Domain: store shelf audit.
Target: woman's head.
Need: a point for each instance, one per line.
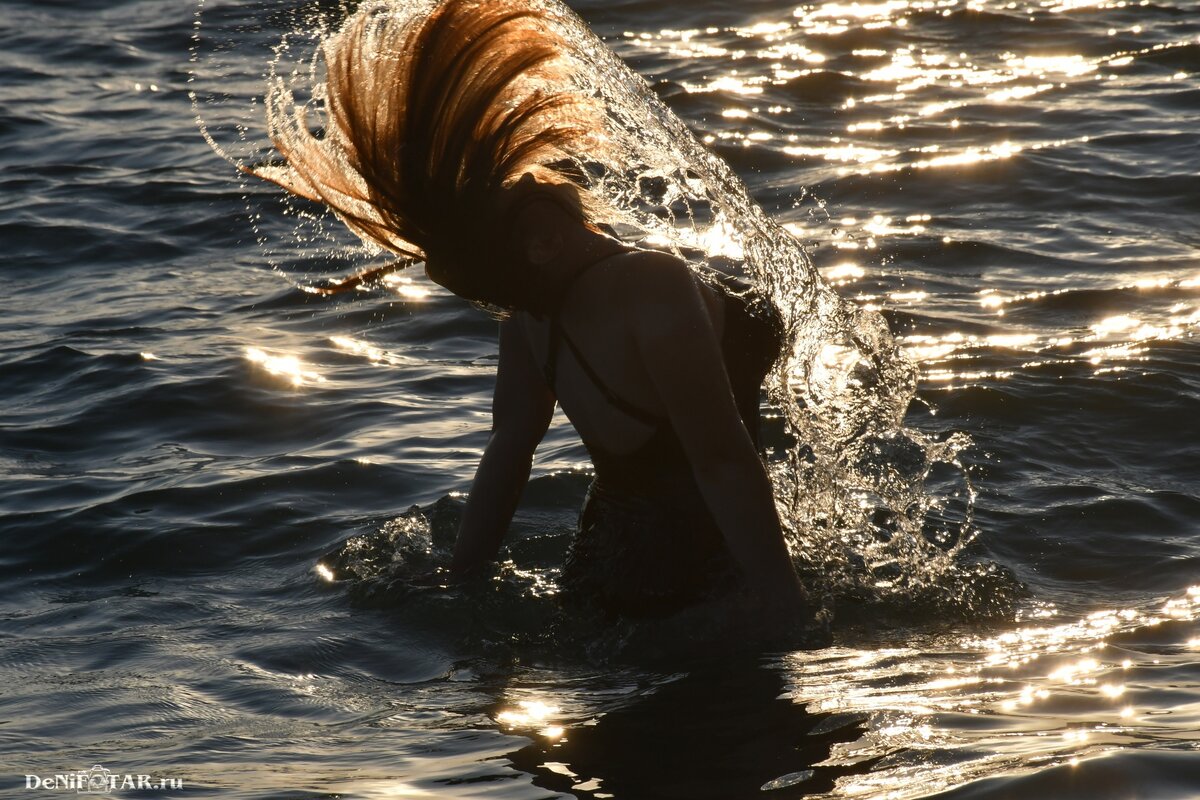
(430, 125)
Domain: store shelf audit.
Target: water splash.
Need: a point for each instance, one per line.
(875, 509)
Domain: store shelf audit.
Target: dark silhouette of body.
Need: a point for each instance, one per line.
(448, 140)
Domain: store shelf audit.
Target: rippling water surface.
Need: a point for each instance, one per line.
(184, 432)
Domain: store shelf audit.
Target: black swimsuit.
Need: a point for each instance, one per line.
(647, 544)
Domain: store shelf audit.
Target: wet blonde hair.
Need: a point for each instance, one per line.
(427, 121)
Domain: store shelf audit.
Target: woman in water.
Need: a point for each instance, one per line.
(455, 139)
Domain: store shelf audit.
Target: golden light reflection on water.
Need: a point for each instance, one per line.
(286, 366)
(918, 84)
(1103, 343)
(376, 355)
(405, 286)
(716, 239)
(842, 153)
(844, 273)
(1050, 694)
(532, 715)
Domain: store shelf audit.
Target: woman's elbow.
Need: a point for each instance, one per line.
(515, 443)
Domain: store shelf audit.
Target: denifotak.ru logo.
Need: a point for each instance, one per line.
(99, 780)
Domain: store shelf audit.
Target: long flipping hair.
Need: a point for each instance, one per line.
(427, 121)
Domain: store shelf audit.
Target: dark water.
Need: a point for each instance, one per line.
(184, 432)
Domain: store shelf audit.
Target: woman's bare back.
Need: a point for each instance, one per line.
(595, 317)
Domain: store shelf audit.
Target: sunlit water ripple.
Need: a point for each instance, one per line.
(185, 432)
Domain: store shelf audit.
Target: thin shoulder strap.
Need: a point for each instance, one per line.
(550, 368)
(627, 408)
(557, 335)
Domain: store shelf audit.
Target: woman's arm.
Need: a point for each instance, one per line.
(522, 406)
(683, 356)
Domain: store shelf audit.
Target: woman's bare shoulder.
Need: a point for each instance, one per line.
(648, 273)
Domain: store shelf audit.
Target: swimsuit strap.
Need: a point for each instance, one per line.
(620, 403)
(550, 368)
(558, 334)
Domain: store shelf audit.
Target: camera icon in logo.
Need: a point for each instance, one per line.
(98, 781)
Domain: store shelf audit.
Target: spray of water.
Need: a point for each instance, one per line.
(875, 510)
